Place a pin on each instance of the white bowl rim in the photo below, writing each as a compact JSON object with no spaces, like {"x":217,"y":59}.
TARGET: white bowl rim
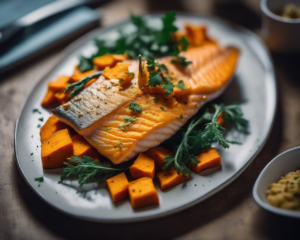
{"x":269,"y":13}
{"x":267,"y":206}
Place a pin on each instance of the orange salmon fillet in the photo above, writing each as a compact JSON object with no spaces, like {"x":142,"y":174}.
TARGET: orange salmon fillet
{"x":100,"y":111}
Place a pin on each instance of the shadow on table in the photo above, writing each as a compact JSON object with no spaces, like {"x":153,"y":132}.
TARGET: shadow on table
{"x":164,"y":228}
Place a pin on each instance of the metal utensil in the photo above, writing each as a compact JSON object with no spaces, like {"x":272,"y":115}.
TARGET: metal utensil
{"x":11,"y":30}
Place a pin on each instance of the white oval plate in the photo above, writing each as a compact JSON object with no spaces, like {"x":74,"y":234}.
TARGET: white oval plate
{"x":254,"y":83}
{"x":285,"y":162}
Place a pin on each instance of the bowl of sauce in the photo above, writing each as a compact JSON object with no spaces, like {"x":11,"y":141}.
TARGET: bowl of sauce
{"x":277,"y":188}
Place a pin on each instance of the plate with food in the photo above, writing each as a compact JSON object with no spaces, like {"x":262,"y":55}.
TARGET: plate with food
{"x":146,"y":117}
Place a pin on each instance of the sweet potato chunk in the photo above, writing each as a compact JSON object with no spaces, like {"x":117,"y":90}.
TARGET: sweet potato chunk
{"x":59,"y":84}
{"x":142,"y":193}
{"x":118,"y":187}
{"x":49,"y":99}
{"x":63,"y":97}
{"x":196,"y":34}
{"x":82,"y":147}
{"x":51,"y":126}
{"x":209,"y":158}
{"x":169,"y":178}
{"x":220,"y":119}
{"x":57,"y":149}
{"x":119,"y":57}
{"x":77,"y":75}
{"x":143,"y":166}
{"x":120,"y":71}
{"x":158,"y":154}
{"x":104,"y":61}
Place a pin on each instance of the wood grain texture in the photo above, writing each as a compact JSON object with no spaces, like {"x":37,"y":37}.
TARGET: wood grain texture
{"x":229,"y":214}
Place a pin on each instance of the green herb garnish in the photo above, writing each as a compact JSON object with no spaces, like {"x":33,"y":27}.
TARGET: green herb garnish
{"x":78,"y":86}
{"x":180,"y":85}
{"x":135,"y":107}
{"x":162,"y":108}
{"x":130,"y":74}
{"x":184,"y":43}
{"x":106,"y":129}
{"x":120,"y":144}
{"x":190,"y":142}
{"x":40,"y":179}
{"x":127,"y":123}
{"x":155,"y":100}
{"x":35,"y":110}
{"x":85,"y":64}
{"x":41,"y":119}
{"x":87,"y":168}
{"x":31,"y":154}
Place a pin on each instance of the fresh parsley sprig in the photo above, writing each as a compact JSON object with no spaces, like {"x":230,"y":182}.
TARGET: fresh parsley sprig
{"x":78,"y":86}
{"x":87,"y":168}
{"x":190,"y":142}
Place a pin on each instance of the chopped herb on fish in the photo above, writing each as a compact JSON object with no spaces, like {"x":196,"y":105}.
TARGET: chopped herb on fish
{"x":110,"y":86}
{"x":180,"y":85}
{"x":162,"y":108}
{"x":106,"y":129}
{"x":135,"y":107}
{"x":155,"y":100}
{"x":131,"y":74}
{"x":127,"y":123}
{"x":120,"y":144}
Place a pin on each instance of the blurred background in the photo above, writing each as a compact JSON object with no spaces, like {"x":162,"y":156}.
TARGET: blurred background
{"x":40,"y":36}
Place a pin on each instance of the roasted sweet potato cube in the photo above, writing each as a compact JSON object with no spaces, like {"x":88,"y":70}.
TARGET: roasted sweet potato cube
{"x":120,"y":71}
{"x":118,"y":187}
{"x":169,"y":178}
{"x":78,"y":75}
{"x":104,"y":61}
{"x":59,"y":84}
{"x":82,"y":147}
{"x":63,"y":97}
{"x":119,"y":57}
{"x":57,"y":149}
{"x":196,"y":34}
{"x":49,"y":99}
{"x":143,"y":166}
{"x":142,"y":193}
{"x":158,"y":154}
{"x":51,"y":126}
{"x":220,"y":119}
{"x":209,"y":158}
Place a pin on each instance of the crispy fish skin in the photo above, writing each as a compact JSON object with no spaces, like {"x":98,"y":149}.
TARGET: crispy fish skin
{"x":211,"y":69}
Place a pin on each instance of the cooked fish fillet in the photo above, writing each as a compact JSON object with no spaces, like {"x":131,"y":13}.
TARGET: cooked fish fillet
{"x":100,"y":111}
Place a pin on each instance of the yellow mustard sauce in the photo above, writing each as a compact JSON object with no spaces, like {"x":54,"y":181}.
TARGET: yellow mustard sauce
{"x":286,"y":192}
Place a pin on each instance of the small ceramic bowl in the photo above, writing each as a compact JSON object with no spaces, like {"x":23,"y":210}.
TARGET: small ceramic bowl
{"x":285,"y":162}
{"x":281,"y":35}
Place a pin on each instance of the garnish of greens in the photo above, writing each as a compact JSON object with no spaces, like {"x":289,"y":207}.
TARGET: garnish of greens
{"x":189,"y":142}
{"x":87,"y":168}
{"x":78,"y":86}
{"x":127,"y":123}
{"x":135,"y":107}
{"x":149,"y":42}
{"x":40,"y":179}
{"x":155,"y":78}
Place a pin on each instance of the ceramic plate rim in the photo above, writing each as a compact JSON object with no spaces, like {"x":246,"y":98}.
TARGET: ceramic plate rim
{"x":269,"y":70}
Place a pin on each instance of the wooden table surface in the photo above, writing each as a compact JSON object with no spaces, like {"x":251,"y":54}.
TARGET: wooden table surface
{"x":229,"y":214}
